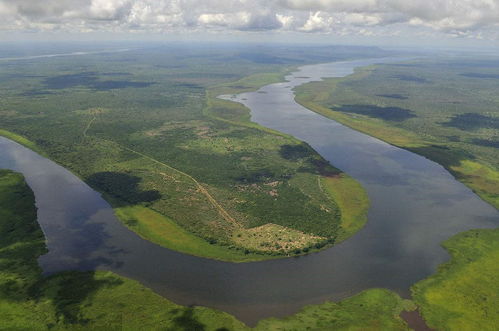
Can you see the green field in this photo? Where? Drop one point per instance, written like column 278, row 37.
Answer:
column 464, row 293
column 158, row 229
column 445, row 109
column 145, row 128
column 352, row 200
column 105, row 301
column 160, row 167
column 374, row 309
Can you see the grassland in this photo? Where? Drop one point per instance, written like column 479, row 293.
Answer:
column 374, row 309
column 443, row 109
column 159, row 229
column 464, row 293
column 145, row 129
column 352, row 200
column 105, row 301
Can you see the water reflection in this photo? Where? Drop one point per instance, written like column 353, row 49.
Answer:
column 415, row 205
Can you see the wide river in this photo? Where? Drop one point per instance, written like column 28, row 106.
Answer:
column 415, row 205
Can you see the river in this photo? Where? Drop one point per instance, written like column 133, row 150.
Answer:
column 415, row 205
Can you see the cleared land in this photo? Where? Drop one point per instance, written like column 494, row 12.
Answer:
column 464, row 293
column 145, row 129
column 444, row 109
column 106, row 301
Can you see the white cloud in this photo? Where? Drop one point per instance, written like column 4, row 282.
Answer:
column 287, row 22
column 436, row 14
column 318, row 22
column 229, row 20
column 109, row 9
column 362, row 19
column 462, row 18
column 334, row 5
column 242, row 21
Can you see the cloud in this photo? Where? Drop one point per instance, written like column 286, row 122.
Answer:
column 436, row 14
column 243, row 20
column 461, row 18
column 287, row 22
column 109, row 9
column 331, row 5
column 362, row 19
column 318, row 21
column 453, row 15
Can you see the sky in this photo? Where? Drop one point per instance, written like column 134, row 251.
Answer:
column 432, row 22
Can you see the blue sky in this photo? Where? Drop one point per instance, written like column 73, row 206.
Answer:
column 437, row 22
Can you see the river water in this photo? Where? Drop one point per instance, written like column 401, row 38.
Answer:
column 415, row 205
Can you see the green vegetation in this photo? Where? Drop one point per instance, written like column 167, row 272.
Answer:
column 21, row 242
column 105, row 301
column 21, row 140
column 443, row 109
column 352, row 200
column 163, row 231
column 374, row 309
column 145, row 128
column 464, row 293
column 236, row 113
column 75, row 300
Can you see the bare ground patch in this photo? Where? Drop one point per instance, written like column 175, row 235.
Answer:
column 274, row 238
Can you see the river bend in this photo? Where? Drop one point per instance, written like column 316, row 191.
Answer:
column 415, row 205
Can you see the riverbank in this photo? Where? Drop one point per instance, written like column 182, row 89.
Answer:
column 407, row 119
column 74, row 300
column 97, row 299
column 457, row 296
column 276, row 190
column 464, row 293
column 234, row 190
column 393, row 250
